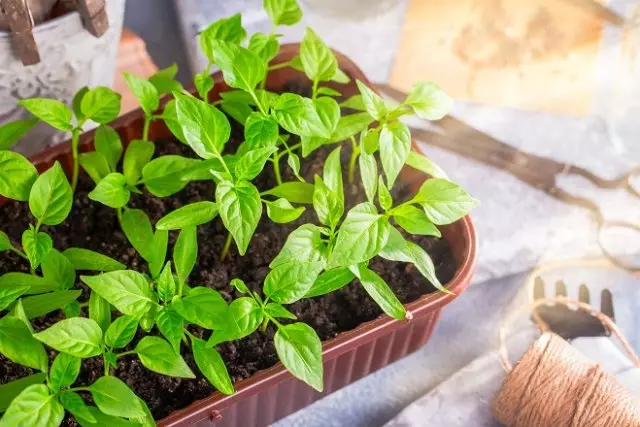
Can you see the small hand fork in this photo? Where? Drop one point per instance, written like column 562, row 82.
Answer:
column 569, row 322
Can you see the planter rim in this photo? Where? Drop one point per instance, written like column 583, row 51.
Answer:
column 344, row 341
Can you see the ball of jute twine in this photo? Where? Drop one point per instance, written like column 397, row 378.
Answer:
column 553, row 385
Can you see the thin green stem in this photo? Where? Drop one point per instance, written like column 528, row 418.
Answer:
column 19, row 252
column 314, row 90
column 294, row 147
column 75, row 139
column 255, row 98
column 119, row 213
column 79, row 389
column 268, row 316
column 124, row 353
column 280, row 65
column 145, row 130
column 355, row 152
column 107, row 371
column 225, row 249
column 276, row 168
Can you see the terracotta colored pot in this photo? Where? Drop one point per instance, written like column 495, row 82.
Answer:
column 273, row 393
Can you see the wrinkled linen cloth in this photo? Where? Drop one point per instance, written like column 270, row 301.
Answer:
column 465, row 398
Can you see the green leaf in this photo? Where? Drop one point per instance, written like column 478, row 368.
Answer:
column 114, row 397
column 107, row 142
column 204, row 307
column 51, row 197
column 443, row 201
column 171, row 326
column 76, row 102
column 144, row 91
column 356, row 102
column 95, row 164
column 304, row 244
column 265, row 46
column 33, row 407
column 362, row 235
column 240, row 209
column 241, row 68
column 384, row 197
column 104, row 419
column 5, row 243
column 10, row 390
column 328, row 91
column 415, row 221
column 278, row 311
column 158, row 252
column 36, row 245
column 300, row 351
column 203, row 83
column 101, row 104
column 283, row 12
column 424, row 164
column 294, row 163
column 243, row 318
column 326, row 203
column 112, row 191
column 212, row 366
column 137, row 227
column 72, row 309
column 157, row 355
column 295, row 192
column 340, row 77
column 381, row 293
column 332, row 175
column 205, row 128
column 164, row 80
column 251, row 164
column 64, row 371
column 166, row 284
column 36, row 284
column 428, row 101
column 368, row 173
column 288, row 282
column 187, row 216
column 17, row 311
column 298, row 115
column 166, row 175
column 17, row 176
column 185, row 252
column 128, row 291
column 330, row 281
column 395, row 145
column 240, row 286
column 351, row 125
column 318, row 61
column 18, row 345
column 225, row 29
column 237, row 111
column 400, row 250
column 39, row 305
column 282, row 212
column 52, row 112
column 170, row 117
column 329, row 113
column 121, row 331
column 373, row 102
column 73, row 403
column 136, row 157
column 370, row 140
column 9, row 295
column 85, row 259
column 11, row 132
column 77, row 336
column 260, row 131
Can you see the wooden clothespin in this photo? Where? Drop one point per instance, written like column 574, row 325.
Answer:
column 94, row 16
column 18, row 18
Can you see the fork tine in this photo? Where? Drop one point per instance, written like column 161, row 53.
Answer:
column 561, row 289
column 538, row 289
column 606, row 303
column 583, row 294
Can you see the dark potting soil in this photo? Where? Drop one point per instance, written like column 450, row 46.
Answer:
column 94, row 226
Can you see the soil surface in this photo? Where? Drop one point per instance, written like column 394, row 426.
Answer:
column 94, row 226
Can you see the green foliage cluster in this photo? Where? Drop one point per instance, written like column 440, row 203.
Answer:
column 317, row 258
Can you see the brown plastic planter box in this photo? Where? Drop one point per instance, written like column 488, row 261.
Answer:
column 273, row 393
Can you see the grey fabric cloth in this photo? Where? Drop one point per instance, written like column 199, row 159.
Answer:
column 465, row 398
